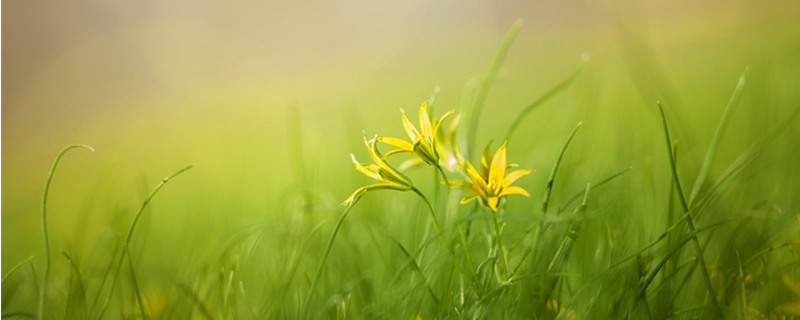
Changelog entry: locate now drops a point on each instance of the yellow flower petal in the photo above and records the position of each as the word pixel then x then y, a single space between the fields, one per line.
pixel 513 190
pixel 425 127
pixel 397 143
pixel 412 132
pixel 513 176
pixel 477 180
pixel 486 159
pixel 497 171
pixel 369 169
pixel 441 119
pixel 386 172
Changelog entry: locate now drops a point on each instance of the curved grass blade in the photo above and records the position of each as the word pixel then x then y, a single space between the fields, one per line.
pixel 548 95
pixel 480 96
pixel 14 269
pixel 578 194
pixel 748 156
pixel 318 272
pixel 563 251
pixel 131 229
pixel 45 236
pixel 551 179
pixel 689 221
pixel 723 123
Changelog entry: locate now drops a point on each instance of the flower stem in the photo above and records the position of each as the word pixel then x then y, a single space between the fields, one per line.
pixel 498 242
pixel 325 256
pixel 430 208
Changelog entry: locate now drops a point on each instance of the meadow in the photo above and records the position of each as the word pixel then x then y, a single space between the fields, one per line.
pixel 508 175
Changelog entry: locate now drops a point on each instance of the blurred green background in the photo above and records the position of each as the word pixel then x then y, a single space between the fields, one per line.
pixel 156 85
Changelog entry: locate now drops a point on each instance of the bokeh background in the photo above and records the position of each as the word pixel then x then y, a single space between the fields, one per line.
pixel 268 98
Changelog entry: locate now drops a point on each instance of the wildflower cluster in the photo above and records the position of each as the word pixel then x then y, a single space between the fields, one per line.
pixel 429 145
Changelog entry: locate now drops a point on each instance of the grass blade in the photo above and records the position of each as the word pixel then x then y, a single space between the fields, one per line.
pixel 480 96
pixel 723 123
pixel 689 221
pixel 132 228
pixel 548 95
pixel 551 179
pixel 318 272
pixel 417 269
pixel 45 236
pixel 748 156
pixel 14 269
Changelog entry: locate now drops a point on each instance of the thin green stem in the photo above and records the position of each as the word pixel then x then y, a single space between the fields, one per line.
pixel 480 96
pixel 551 179
pixel 45 235
pixel 126 245
pixel 430 208
pixel 547 96
pixel 499 245
pixel 689 221
pixel 322 261
pixel 14 269
pixel 723 123
pixel 472 273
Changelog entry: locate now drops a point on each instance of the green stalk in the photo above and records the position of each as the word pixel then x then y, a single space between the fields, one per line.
pixel 480 96
pixel 14 269
pixel 325 257
pixel 723 123
pixel 499 245
pixel 472 273
pixel 45 236
pixel 689 221
pixel 126 245
pixel 551 179
pixel 547 96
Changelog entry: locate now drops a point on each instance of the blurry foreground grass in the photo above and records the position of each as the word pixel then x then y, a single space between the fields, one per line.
pixel 642 211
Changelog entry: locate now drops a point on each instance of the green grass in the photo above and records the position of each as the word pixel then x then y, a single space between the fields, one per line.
pixel 611 232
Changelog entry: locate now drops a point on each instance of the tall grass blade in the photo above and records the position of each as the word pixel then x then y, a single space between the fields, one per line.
pixel 755 150
pixel 14 269
pixel 45 236
pixel 723 123
pixel 563 251
pixel 547 96
pixel 491 74
pixel 689 221
pixel 551 179
pixel 129 235
pixel 318 272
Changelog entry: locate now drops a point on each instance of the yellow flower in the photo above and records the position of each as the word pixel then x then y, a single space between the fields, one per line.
pixel 492 183
pixel 423 141
pixel 378 170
